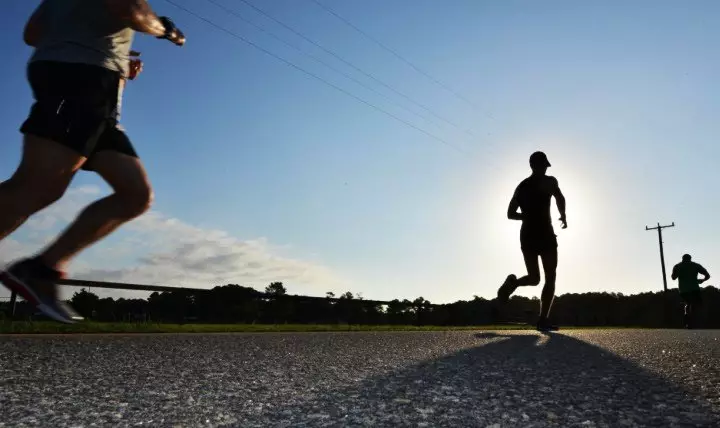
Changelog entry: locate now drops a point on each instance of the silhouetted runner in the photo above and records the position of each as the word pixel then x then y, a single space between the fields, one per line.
pixel 686 272
pixel 77 72
pixel 537 237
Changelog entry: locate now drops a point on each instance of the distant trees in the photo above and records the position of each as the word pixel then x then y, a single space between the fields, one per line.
pixel 86 302
pixel 276 289
pixel 234 303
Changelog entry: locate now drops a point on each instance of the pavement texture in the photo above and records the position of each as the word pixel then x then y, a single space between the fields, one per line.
pixel 590 378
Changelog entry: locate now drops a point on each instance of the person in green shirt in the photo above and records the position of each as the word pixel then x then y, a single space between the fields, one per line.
pixel 686 272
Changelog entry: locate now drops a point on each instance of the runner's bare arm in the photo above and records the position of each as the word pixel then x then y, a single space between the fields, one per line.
pixel 512 212
pixel 705 273
pixel 140 17
pixel 560 201
pixel 674 274
pixel 33 28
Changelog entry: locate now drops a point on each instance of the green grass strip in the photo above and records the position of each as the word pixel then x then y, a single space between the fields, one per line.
pixel 46 327
pixel 89 327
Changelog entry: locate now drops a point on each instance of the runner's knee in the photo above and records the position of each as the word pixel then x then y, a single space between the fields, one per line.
pixel 136 200
pixel 533 278
pixel 126 175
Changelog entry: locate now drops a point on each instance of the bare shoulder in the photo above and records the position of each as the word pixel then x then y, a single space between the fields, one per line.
pixel 549 183
pixel 522 184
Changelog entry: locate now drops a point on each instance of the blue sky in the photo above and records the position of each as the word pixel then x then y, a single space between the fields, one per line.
pixel 262 172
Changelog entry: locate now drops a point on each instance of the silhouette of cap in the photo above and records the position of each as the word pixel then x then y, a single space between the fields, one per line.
pixel 539 159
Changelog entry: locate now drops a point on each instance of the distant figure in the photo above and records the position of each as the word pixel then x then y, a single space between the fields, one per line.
pixel 537 237
pixel 686 272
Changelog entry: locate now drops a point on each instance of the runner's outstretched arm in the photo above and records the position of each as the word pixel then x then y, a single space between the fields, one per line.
pixel 512 212
pixel 560 201
pixel 140 17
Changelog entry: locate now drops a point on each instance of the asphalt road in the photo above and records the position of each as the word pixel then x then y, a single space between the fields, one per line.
pixel 608 378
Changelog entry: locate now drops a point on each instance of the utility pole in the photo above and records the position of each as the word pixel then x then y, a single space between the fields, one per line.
pixel 662 254
pixel 666 309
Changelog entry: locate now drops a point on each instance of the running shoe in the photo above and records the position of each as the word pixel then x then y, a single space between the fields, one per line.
pixel 508 287
pixel 545 326
pixel 35 282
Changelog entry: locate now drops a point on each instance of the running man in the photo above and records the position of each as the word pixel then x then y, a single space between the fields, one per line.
pixel 686 272
pixel 81 58
pixel 537 237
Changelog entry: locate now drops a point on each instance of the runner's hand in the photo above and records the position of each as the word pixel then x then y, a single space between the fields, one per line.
pixel 563 220
pixel 172 33
pixel 136 65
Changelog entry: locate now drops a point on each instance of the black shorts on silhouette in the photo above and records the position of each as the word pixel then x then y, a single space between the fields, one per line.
pixel 692 297
pixel 75 105
pixel 538 240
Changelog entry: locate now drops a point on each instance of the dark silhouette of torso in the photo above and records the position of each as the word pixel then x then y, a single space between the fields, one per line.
pixel 534 195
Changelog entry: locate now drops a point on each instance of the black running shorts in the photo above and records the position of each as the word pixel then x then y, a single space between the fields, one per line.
pixel 538 240
pixel 75 105
pixel 692 297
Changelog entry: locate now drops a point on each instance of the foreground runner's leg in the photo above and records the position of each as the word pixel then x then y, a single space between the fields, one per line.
pixel 512 282
pixel 507 288
pixel 45 171
pixel 132 197
pixel 71 110
pixel 533 269
pixel 549 260
pixel 44 174
pixel 692 306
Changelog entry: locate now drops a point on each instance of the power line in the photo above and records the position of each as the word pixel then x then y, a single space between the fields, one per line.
pixel 315 76
pixel 330 66
pixel 393 52
pixel 356 68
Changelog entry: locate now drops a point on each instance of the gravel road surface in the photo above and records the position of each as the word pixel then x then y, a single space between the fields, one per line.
pixel 575 378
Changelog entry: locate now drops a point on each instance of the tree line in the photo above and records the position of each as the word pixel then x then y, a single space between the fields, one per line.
pixel 233 303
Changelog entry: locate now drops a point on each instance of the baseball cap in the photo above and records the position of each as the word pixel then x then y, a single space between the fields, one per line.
pixel 539 159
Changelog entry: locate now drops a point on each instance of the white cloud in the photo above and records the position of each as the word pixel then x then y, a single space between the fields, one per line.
pixel 11 249
pixel 62 212
pixel 167 251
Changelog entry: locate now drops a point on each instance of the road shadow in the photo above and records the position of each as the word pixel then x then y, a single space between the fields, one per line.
pixel 509 380
pixel 419 379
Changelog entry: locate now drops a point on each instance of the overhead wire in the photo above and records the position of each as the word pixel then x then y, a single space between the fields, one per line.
pixel 411 64
pixel 316 77
pixel 315 58
pixel 393 52
pixel 358 69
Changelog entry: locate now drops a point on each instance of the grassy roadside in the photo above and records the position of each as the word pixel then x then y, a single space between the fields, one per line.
pixel 49 327
pixel 89 327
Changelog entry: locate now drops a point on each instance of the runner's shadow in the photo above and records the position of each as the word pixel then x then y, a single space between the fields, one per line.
pixel 515 379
